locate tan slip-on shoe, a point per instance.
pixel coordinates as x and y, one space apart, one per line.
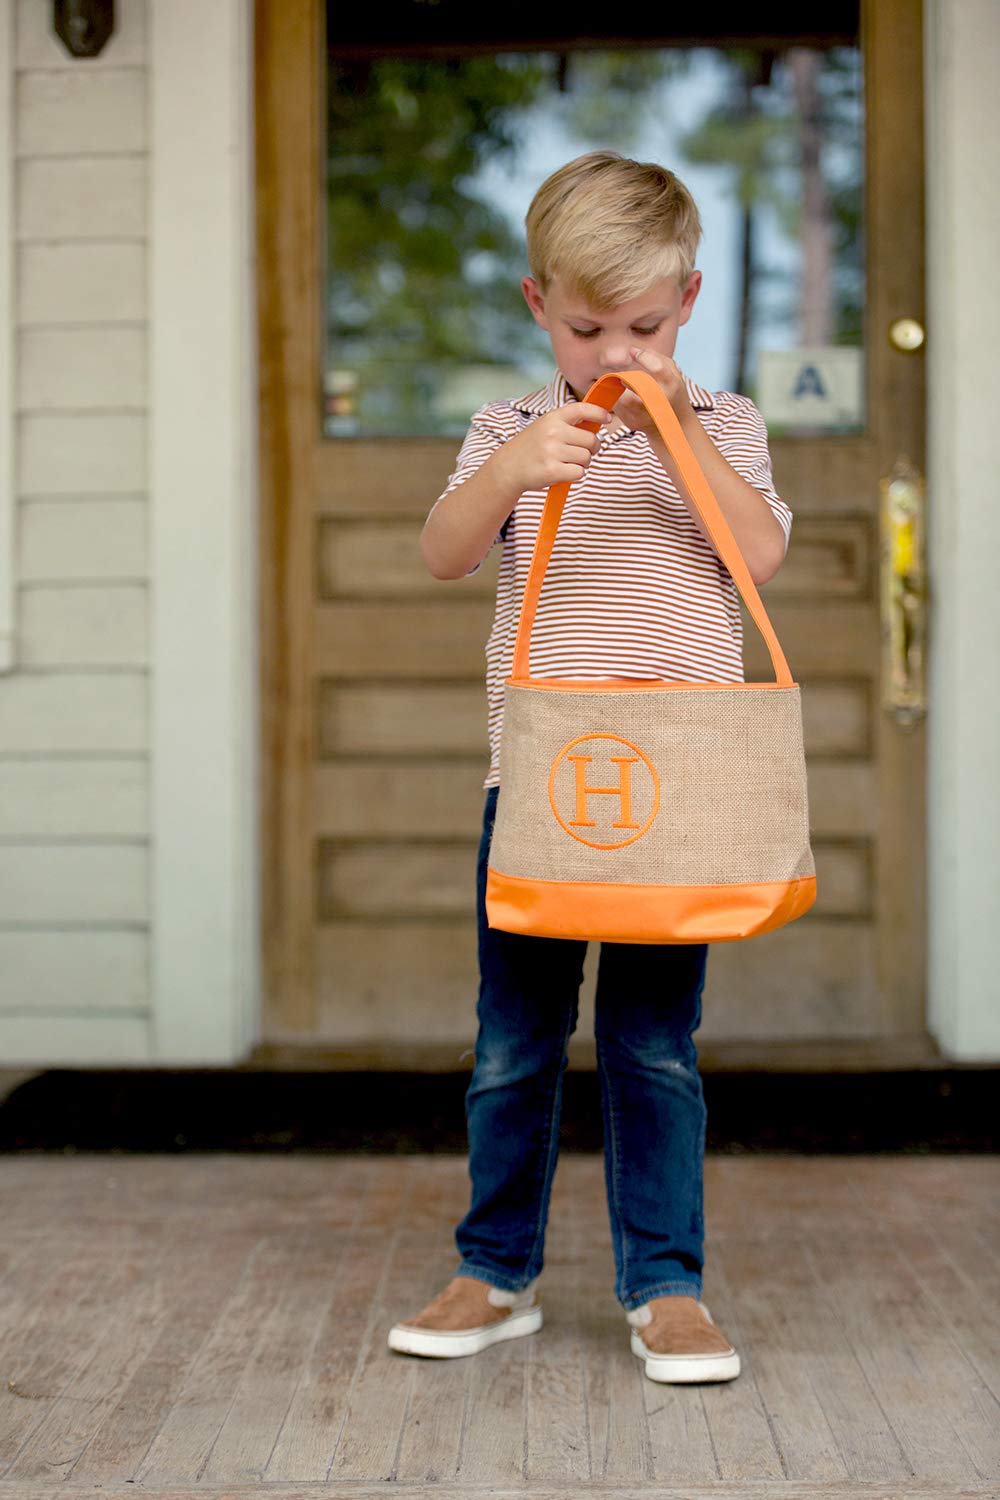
678 1339
466 1317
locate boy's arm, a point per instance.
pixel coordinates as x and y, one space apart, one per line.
760 535
465 521
492 473
758 519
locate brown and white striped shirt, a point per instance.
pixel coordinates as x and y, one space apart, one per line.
633 589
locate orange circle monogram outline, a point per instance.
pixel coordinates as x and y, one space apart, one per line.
622 790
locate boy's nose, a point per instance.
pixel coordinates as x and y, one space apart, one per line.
615 357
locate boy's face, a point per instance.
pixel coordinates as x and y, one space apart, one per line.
588 342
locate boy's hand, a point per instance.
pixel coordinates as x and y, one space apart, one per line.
671 382
553 449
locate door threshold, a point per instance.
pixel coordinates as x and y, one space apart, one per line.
850 1055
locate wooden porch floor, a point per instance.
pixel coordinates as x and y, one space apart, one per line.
216 1325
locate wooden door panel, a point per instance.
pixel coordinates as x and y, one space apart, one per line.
395 878
833 558
367 638
360 477
423 640
800 984
446 718
395 477
389 798
837 717
417 873
361 798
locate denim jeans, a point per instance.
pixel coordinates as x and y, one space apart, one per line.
647 1006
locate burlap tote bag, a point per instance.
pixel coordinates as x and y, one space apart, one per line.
635 811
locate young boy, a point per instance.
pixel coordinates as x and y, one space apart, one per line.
634 589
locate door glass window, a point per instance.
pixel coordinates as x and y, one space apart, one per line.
433 158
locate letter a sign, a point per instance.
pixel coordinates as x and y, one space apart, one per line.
810 388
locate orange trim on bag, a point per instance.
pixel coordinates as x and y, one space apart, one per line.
607 912
605 392
643 684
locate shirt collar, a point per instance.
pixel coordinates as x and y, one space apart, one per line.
558 392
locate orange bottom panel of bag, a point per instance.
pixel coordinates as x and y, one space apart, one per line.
644 913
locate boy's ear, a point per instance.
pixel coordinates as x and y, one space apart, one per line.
535 300
688 296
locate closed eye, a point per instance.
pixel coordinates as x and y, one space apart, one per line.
591 333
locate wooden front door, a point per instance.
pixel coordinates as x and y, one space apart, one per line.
374 709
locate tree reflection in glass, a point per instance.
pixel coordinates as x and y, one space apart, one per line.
431 164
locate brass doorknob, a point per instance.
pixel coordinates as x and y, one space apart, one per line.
907 333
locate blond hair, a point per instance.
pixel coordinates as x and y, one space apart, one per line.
610 227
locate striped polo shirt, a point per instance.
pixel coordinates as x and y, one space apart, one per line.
633 589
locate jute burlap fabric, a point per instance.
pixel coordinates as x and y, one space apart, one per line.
732 799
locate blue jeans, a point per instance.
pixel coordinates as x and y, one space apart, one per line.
647 1006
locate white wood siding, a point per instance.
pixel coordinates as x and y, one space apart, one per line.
76 727
963 243
74 773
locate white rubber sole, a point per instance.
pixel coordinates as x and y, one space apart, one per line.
686 1369
440 1345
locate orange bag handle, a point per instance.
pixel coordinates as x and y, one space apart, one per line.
605 392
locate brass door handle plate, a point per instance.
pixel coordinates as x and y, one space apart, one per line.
903 587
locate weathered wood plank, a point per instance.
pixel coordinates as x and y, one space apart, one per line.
824 1413
195 1290
964 1288
906 1352
44 1354
744 1440
109 1362
432 1391
494 1437
617 1398
182 1447
754 1490
370 1432
256 1326
557 1440
253 1424
318 1410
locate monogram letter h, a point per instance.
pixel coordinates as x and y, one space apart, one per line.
622 790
